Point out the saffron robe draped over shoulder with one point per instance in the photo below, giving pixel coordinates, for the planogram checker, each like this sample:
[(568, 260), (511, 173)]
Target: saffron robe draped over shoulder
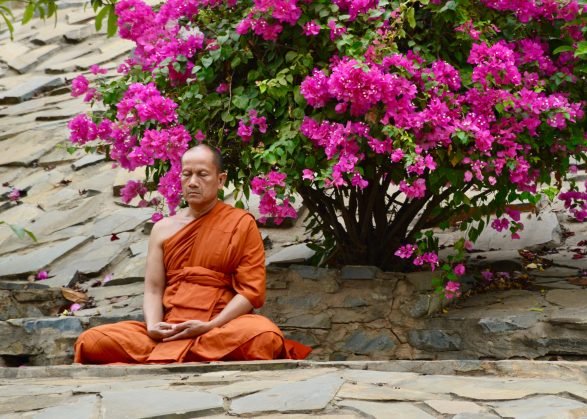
[(207, 263)]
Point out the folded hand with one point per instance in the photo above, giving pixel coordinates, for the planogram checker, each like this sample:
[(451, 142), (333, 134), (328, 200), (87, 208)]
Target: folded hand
[(188, 330), (161, 330)]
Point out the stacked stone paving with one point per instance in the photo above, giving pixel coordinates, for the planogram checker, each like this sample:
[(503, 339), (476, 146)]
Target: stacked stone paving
[(406, 390), (93, 247)]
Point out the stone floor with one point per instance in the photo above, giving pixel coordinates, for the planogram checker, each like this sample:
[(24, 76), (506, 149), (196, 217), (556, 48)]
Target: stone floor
[(294, 389)]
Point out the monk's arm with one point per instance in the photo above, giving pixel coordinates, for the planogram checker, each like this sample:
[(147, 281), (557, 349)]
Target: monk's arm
[(154, 288)]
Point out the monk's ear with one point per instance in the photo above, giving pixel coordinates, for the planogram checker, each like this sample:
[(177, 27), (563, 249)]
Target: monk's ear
[(222, 179)]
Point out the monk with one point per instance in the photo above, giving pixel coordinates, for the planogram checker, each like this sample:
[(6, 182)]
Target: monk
[(205, 273)]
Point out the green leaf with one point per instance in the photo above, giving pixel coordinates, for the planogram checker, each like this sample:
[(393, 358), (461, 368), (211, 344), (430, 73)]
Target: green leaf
[(240, 102), (290, 56), (270, 158), (29, 12), (112, 25), (449, 5), (411, 17), (207, 61), (563, 48), (8, 24), (581, 49)]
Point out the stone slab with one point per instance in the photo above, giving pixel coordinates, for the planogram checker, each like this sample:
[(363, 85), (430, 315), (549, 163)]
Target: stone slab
[(565, 259), (23, 108), (108, 52), (129, 271), (80, 16), (27, 147), (59, 155), (125, 219), (386, 410), (69, 55), (150, 402), (50, 33), (56, 220), (24, 264), (359, 272), (435, 340), (362, 391), (368, 343), (82, 33), (377, 377), (309, 395), (88, 160), (298, 253), (89, 260), (104, 293), (32, 86), (567, 298), (540, 229), (548, 406), (139, 248), (243, 388), (454, 407), (31, 59), (509, 322), (309, 321)]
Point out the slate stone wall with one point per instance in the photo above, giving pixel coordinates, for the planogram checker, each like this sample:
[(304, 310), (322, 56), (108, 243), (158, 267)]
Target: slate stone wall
[(356, 313)]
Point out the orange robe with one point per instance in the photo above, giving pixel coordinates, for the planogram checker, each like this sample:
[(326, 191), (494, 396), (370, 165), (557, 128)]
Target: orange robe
[(207, 263)]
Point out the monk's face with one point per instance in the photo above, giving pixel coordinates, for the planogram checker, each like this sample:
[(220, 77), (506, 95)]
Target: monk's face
[(200, 178)]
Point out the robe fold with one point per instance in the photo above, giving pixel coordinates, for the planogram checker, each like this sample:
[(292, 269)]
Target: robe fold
[(207, 263)]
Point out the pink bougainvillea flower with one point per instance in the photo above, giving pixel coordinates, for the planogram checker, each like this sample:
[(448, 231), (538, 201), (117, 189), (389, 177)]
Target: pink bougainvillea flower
[(79, 85), (132, 189), (452, 290), (107, 278), (222, 88), (487, 275), (311, 28), (405, 251), (157, 216), (96, 69), (42, 275), (14, 194), (75, 307), (459, 269), (200, 136), (308, 174)]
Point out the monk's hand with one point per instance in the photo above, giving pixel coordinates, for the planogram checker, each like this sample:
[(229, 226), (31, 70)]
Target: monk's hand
[(189, 330), (161, 330)]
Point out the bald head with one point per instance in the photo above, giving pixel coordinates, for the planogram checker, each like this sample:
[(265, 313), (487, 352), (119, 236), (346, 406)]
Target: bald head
[(214, 155)]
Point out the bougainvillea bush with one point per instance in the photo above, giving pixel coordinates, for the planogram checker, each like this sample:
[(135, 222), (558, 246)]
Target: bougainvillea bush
[(388, 118)]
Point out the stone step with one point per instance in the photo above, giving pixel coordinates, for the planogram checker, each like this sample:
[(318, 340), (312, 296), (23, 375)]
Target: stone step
[(32, 86)]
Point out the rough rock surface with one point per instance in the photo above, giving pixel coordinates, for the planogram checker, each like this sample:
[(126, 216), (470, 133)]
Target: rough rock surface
[(89, 240), (409, 389)]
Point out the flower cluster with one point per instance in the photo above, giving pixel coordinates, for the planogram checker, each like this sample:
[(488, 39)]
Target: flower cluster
[(270, 188), (526, 10), (576, 202), (160, 38), (356, 7), (132, 189), (245, 131), (142, 103), (408, 251), (267, 16)]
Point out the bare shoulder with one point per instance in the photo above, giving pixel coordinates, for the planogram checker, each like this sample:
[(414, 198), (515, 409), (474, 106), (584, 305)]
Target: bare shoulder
[(167, 227)]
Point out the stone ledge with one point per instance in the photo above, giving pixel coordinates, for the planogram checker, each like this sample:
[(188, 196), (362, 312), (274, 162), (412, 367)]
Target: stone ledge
[(572, 370)]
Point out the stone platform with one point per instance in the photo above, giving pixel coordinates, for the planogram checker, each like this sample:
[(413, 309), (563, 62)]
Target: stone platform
[(294, 389)]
